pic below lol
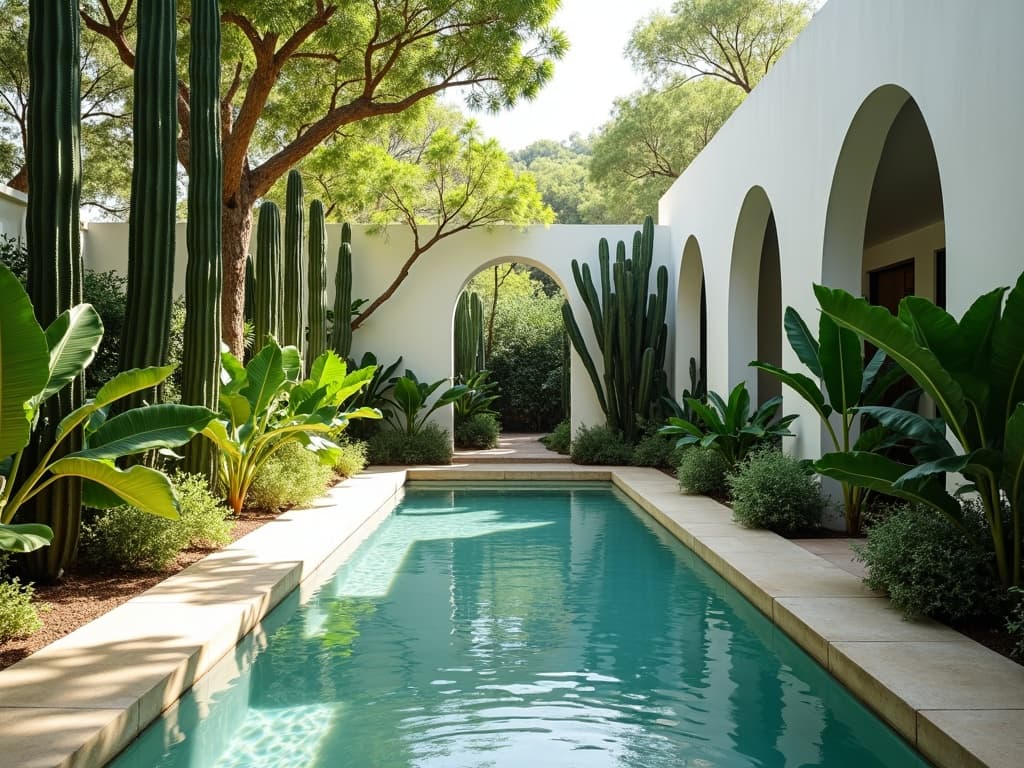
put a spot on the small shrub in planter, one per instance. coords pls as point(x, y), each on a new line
point(601, 445)
point(559, 440)
point(775, 491)
point(126, 538)
point(655, 451)
point(292, 476)
point(929, 566)
point(352, 459)
point(431, 445)
point(19, 617)
point(479, 432)
point(702, 471)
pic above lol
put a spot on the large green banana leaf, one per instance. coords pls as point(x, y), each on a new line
point(24, 366)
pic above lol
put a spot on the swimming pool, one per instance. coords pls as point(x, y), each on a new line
point(532, 626)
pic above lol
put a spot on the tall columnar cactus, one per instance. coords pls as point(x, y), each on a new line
point(469, 336)
point(341, 335)
point(154, 193)
point(203, 276)
point(268, 274)
point(566, 380)
point(317, 284)
point(629, 325)
point(54, 258)
point(250, 290)
point(292, 325)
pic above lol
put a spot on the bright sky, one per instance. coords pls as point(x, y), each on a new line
point(593, 73)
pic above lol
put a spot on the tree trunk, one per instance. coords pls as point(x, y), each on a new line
point(236, 230)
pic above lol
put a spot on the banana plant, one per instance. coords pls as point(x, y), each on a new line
point(264, 405)
point(974, 372)
point(836, 358)
point(35, 365)
point(729, 428)
point(409, 398)
point(477, 398)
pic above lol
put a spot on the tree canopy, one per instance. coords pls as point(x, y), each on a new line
point(736, 41)
point(651, 138)
point(296, 72)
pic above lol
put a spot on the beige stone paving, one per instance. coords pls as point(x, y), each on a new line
point(79, 701)
point(512, 447)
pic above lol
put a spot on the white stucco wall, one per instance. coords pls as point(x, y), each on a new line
point(12, 211)
point(416, 322)
point(957, 60)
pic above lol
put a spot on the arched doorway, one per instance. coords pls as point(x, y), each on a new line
point(691, 317)
point(522, 340)
point(755, 297)
point(885, 227)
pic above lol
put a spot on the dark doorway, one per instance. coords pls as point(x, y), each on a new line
point(888, 286)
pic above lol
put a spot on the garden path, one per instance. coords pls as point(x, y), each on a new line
point(512, 448)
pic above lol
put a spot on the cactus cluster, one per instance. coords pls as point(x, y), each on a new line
point(292, 325)
point(203, 275)
point(317, 284)
point(54, 257)
point(341, 335)
point(469, 336)
point(267, 320)
point(629, 325)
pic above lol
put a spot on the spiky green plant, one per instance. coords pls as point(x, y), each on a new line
point(203, 277)
point(341, 335)
point(154, 193)
point(316, 310)
point(268, 274)
point(292, 325)
point(629, 325)
point(469, 336)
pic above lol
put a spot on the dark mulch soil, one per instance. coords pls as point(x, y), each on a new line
point(83, 594)
point(991, 635)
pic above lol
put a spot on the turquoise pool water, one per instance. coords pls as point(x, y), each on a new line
point(521, 629)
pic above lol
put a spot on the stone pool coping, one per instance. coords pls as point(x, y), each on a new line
point(82, 699)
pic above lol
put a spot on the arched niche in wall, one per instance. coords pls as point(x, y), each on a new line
point(530, 392)
point(691, 316)
point(755, 297)
point(884, 231)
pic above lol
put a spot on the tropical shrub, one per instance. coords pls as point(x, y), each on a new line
point(19, 616)
point(525, 358)
point(478, 432)
point(600, 445)
point(106, 292)
point(126, 538)
point(836, 358)
point(264, 407)
point(974, 372)
point(657, 451)
point(560, 438)
point(929, 565)
point(775, 491)
point(292, 476)
point(703, 471)
point(36, 365)
point(373, 395)
point(477, 399)
point(409, 410)
point(729, 427)
point(353, 457)
point(170, 392)
point(430, 445)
